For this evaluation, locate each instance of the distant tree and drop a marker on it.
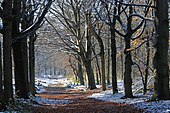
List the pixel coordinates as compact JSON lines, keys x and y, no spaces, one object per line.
{"x":130,"y":27}
{"x":96,"y":34}
{"x":80,"y":71}
{"x":106,"y":12}
{"x":1,"y":82}
{"x":77,"y":38}
{"x":161,"y":55}
{"x":147,"y":65}
{"x":108,"y":62}
{"x":88,"y":55}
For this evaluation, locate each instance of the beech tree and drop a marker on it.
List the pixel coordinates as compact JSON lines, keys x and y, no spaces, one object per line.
{"x":12,"y":18}
{"x":1,"y":76}
{"x":161,"y":54}
{"x":104,"y":12}
{"x":70,"y":15}
{"x":7,"y":44}
{"x":20,"y":53}
{"x":127,"y":31}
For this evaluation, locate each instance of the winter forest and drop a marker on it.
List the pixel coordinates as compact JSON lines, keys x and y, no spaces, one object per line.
{"x":84,"y":56}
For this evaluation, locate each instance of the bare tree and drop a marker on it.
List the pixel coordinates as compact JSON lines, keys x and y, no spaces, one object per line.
{"x":77,"y":39}
{"x":130,"y":28}
{"x":7,"y":42}
{"x":161,"y":55}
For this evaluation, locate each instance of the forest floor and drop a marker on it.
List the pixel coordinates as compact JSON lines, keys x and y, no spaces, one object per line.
{"x":78,"y":102}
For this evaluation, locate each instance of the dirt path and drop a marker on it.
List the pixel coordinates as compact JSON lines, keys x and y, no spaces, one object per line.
{"x":80,"y":103}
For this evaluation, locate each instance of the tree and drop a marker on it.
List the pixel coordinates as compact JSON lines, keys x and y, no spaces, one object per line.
{"x":28,"y":28}
{"x":131,"y":28}
{"x":161,"y":55}
{"x":32,"y":64}
{"x":88,"y":55}
{"x":76,"y":38}
{"x":80,"y":71}
{"x":20,"y":54}
{"x":96,"y":34}
{"x":7,"y":42}
{"x":1,"y":82}
{"x":11,"y":17}
{"x":109,"y":9}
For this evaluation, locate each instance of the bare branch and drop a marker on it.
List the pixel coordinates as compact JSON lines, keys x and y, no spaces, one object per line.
{"x":138,"y":5}
{"x":34,"y":26}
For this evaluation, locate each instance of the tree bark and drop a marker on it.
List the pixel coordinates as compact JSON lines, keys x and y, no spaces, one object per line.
{"x":88,"y":57}
{"x":80,"y":73}
{"x":21,"y":80}
{"x":20,"y":55}
{"x":108,"y":63}
{"x":32,"y":64}
{"x":1,"y":83}
{"x":128,"y":69}
{"x":97,"y":75}
{"x":90,"y":75}
{"x":113,"y":56}
{"x":88,"y":65}
{"x":128,"y":59}
{"x":161,"y":55}
{"x":147,"y":66}
{"x":102,"y":52}
{"x":7,"y":41}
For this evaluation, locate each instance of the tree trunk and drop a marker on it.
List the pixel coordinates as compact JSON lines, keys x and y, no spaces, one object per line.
{"x":128,"y":59}
{"x":32,"y":64}
{"x":7,"y":41}
{"x":103,"y":68}
{"x":54,"y":69}
{"x":98,"y":70}
{"x":25,"y":59}
{"x":1,"y":83}
{"x":128,"y":70}
{"x":161,"y":55}
{"x":122,"y":60}
{"x":102,"y":52}
{"x":88,"y":65}
{"x":21,"y":80}
{"x":80,"y":73}
{"x":108,"y":63}
{"x":147,"y":67}
{"x":78,"y":31}
{"x":88,"y":57}
{"x":97,"y":76}
{"x":113,"y":56}
{"x":45,"y":68}
{"x":20,"y":56}
{"x":102,"y":56}
{"x":90,"y":75}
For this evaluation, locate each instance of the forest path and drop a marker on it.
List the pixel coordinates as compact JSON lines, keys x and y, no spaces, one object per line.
{"x":79,"y":103}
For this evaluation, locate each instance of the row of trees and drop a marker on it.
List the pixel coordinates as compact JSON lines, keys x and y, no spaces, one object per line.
{"x":81,"y":30}
{"x":85,"y":27}
{"x":20,"y":20}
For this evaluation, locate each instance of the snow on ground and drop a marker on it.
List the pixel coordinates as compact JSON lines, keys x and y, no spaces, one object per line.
{"x":51,"y":81}
{"x":162,"y":106}
{"x":40,"y":89}
{"x":138,"y":102}
{"x":46,"y":101}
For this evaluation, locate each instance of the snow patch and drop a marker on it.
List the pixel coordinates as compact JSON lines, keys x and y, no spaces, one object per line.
{"x":162,"y":106}
{"x":46,"y":101}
